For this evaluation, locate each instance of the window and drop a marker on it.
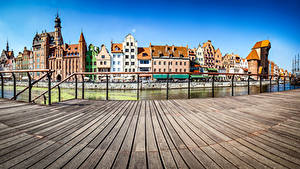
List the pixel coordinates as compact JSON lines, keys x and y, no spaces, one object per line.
{"x":127,"y":44}
{"x":176,"y":63}
{"x":94,"y":63}
{"x":126,"y":63}
{"x":119,"y":69}
{"x":125,"y":70}
{"x":114,"y":62}
{"x":184,"y":63}
{"x":126,"y":50}
{"x":131,"y":44}
{"x":132,"y":50}
{"x":114,"y":69}
{"x":126,"y":56}
{"x":159,"y":63}
{"x":164,"y":70}
{"x":164,"y":62}
{"x":119,"y":62}
{"x":101,"y":63}
{"x":132,"y":56}
{"x":133,"y":70}
{"x":114,"y":55}
{"x":118,"y":56}
{"x":180,"y":63}
{"x":129,"y":70}
{"x":175,"y":70}
{"x":154,"y":62}
{"x":104,"y":62}
{"x":158,"y":70}
{"x":103,"y":56}
{"x":132,"y":63}
{"x":154,"y":70}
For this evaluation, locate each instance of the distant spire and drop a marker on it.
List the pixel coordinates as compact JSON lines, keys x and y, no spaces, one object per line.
{"x":7,"y":46}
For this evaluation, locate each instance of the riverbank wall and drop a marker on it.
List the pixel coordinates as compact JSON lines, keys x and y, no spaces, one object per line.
{"x":142,"y":85}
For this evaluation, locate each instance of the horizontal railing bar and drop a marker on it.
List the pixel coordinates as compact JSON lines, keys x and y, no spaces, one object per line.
{"x":25,"y":71}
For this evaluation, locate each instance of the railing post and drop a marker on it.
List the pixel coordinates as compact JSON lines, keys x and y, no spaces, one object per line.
{"x":2,"y":85}
{"x":270,"y":84}
{"x":45,"y":102}
{"x":106,"y":86}
{"x":294,"y":82}
{"x":260,"y":85}
{"x":49,"y":87}
{"x":189,"y":87}
{"x":30,"y":87}
{"x":278,"y":83}
{"x":290,"y":79}
{"x":82,"y":76}
{"x":284,"y":83}
{"x":232,"y":86}
{"x":138,"y":87}
{"x":15,"y":86}
{"x":248,"y":84}
{"x":168,"y":86}
{"x":59,"y":96}
{"x":76,"y":87}
{"x":213,"y":85}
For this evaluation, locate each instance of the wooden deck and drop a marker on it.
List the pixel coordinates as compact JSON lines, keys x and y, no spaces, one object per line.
{"x":256,"y":131}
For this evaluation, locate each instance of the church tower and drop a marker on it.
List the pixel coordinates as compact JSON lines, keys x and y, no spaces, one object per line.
{"x":82,"y":53}
{"x":57,"y":34}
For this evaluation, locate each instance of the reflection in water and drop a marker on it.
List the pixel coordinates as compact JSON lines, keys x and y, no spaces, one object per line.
{"x":148,"y":94}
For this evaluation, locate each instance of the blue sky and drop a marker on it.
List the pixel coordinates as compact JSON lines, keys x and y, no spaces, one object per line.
{"x":232,"y":25}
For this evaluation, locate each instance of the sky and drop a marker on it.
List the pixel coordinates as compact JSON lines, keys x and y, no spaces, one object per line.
{"x":232,"y":25}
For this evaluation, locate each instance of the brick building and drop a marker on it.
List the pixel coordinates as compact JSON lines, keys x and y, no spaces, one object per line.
{"x":50,"y":52}
{"x":258,"y":58}
{"x":209,"y":54}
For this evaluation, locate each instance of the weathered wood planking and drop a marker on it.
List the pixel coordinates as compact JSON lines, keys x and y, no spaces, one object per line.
{"x":256,"y":131}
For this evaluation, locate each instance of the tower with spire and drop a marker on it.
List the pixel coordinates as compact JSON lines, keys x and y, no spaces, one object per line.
{"x":7,"y":46}
{"x":82,"y":52}
{"x":57,"y":33}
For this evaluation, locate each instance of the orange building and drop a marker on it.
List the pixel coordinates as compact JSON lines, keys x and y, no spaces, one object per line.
{"x":258,"y":58}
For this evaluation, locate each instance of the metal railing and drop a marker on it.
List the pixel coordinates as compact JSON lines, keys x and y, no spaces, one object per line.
{"x":106,"y":74}
{"x":31,"y":83}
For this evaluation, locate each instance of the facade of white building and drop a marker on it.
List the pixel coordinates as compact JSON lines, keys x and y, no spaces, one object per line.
{"x":117,"y":58}
{"x":244,"y":64}
{"x":130,"y":63}
{"x":200,"y":55}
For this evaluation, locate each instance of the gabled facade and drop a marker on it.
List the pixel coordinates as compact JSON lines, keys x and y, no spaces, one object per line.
{"x":209,"y":54}
{"x":91,"y":65}
{"x":200,"y":55}
{"x":130,"y":54}
{"x":103,"y":61}
{"x":218,"y":59}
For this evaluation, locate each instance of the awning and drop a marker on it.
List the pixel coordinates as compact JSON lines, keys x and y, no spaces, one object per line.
{"x":180,"y":76}
{"x":175,"y":76}
{"x":212,"y":70}
{"x":198,"y":76}
{"x":159,"y":76}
